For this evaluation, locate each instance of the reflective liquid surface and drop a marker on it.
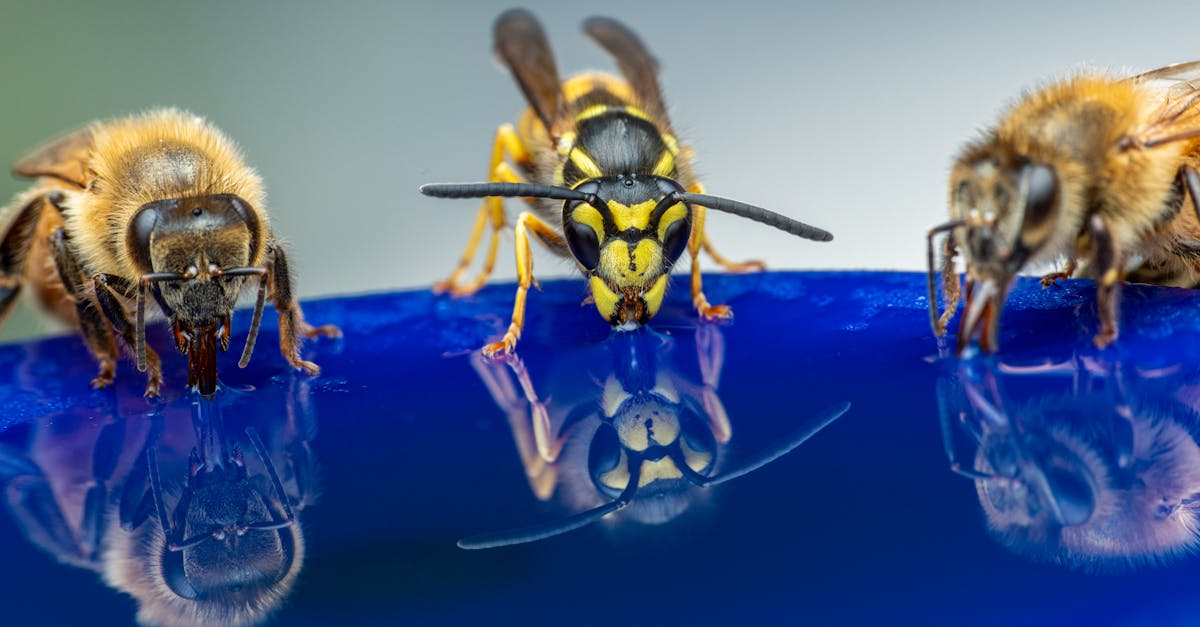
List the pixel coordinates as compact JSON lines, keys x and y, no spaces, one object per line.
{"x":821,"y":458}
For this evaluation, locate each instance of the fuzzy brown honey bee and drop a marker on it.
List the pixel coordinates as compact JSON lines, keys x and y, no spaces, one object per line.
{"x":1097,"y":172}
{"x":155,"y":206}
{"x":628,"y":204}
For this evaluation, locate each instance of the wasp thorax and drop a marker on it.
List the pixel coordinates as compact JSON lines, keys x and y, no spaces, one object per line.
{"x":627,"y":240}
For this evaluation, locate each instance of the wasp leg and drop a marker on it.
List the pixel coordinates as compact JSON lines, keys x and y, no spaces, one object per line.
{"x":522,"y":412}
{"x":292,"y":327}
{"x":1107,"y":267}
{"x":526,"y":222}
{"x":695,"y":242}
{"x":97,"y":334}
{"x":14,"y":249}
{"x":507,"y":142}
{"x":110,"y":290}
{"x":732,"y":266}
{"x":1067,"y":272}
{"x":710,"y":350}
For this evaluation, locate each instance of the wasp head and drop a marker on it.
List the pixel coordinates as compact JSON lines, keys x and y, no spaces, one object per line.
{"x":627,"y":242}
{"x":196,"y":251}
{"x":648,"y":436}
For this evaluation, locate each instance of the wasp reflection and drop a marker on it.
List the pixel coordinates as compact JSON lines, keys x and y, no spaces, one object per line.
{"x":195,"y":516}
{"x":640,"y":435}
{"x":1086,"y":463}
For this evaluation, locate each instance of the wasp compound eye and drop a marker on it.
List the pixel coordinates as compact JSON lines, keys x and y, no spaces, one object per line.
{"x":675,"y":239}
{"x":584,"y":244}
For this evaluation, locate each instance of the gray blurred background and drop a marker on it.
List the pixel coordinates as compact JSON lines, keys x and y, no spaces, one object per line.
{"x":844,"y":115}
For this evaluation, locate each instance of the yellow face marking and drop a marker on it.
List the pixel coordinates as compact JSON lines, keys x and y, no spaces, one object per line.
{"x":657,"y":469}
{"x":614,"y":394}
{"x":606,"y":299}
{"x":634,"y":217}
{"x":585,"y":163}
{"x":696,"y":460}
{"x":630,"y":268}
{"x":589,"y":215}
{"x":617,"y":478}
{"x":646,"y":425}
{"x":654,"y":299}
{"x":672,"y":215}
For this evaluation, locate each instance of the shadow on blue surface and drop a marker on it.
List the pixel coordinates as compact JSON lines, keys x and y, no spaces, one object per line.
{"x":864,"y":523}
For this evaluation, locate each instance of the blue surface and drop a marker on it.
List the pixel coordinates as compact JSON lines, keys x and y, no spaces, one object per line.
{"x":863,"y":523}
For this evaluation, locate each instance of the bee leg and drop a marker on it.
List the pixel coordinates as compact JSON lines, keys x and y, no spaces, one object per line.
{"x":507,"y":142}
{"x":107,"y":288}
{"x":1108,"y":277}
{"x":526,"y":222}
{"x":752,"y":265}
{"x":14,"y":248}
{"x":951,"y":286}
{"x":1067,"y":272}
{"x":292,"y":327}
{"x":97,"y":334}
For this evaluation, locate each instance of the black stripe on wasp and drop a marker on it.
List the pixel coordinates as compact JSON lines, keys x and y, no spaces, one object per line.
{"x":602,"y":146}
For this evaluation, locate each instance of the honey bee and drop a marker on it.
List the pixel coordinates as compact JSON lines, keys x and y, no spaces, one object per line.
{"x":191,"y":518}
{"x":640,"y":441}
{"x":604,"y":147}
{"x":159,"y":205}
{"x":1093,"y":169}
{"x":1086,"y":477}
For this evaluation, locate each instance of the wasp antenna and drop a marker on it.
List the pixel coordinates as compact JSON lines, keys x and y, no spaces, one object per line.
{"x":758,"y":214}
{"x":157,"y":493}
{"x":506,"y":190}
{"x":542,"y":531}
{"x":769,"y":455}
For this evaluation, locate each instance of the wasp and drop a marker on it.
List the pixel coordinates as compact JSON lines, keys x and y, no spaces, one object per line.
{"x":603,"y":147}
{"x":640,"y":441}
{"x":159,"y":206}
{"x":1094,"y":170}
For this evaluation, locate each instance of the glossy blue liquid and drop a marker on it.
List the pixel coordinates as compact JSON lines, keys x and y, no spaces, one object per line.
{"x":863,"y":523}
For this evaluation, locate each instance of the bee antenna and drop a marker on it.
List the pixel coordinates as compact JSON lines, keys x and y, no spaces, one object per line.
{"x":758,"y":214}
{"x":768,"y":456}
{"x":156,"y":493}
{"x":259,"y":302}
{"x":505,"y":190}
{"x":542,"y":531}
{"x":261,"y":451}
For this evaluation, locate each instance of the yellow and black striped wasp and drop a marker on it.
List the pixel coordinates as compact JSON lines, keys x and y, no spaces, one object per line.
{"x":604,"y":147}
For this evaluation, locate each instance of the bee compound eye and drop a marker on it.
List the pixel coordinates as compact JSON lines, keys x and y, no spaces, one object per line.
{"x":1041,"y":194}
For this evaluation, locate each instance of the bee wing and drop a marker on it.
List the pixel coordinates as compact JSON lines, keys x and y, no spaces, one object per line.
{"x":522,"y":45}
{"x":1178,"y":118}
{"x":637,"y":65}
{"x":64,"y":158}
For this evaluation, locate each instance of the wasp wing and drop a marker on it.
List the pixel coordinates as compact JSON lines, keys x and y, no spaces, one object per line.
{"x":522,"y":45}
{"x":637,"y":65}
{"x":64,"y":158}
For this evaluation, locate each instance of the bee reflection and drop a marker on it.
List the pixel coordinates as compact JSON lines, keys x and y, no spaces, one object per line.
{"x":1092,"y":465}
{"x":195,"y":518}
{"x":637,"y":436}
